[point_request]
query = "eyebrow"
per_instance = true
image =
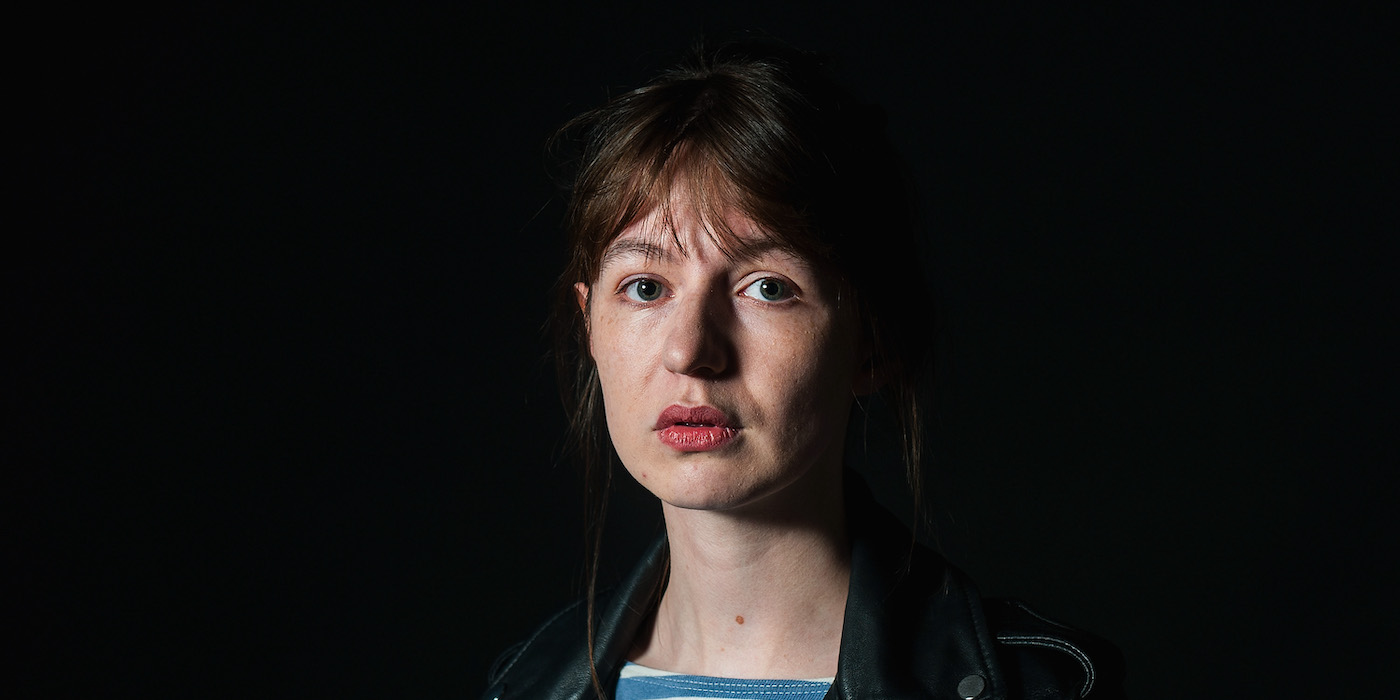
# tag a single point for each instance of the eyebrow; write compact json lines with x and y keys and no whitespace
{"x":628,"y":247}
{"x":625,"y":248}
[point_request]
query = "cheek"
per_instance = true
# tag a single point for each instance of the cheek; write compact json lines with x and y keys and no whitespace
{"x":621,"y":367}
{"x":813,"y":369}
{"x":615,"y":395}
{"x":605,"y":356}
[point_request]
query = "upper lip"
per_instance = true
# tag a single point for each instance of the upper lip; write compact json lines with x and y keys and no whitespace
{"x":693,"y":415}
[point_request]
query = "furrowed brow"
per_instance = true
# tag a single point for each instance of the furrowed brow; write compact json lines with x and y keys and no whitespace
{"x":753,"y":250}
{"x":747,"y":250}
{"x":629,"y":248}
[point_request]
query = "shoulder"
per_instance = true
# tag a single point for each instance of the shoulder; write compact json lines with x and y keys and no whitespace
{"x":554,"y":661}
{"x":551,"y":658}
{"x":923,"y":618}
{"x":1043,"y":658}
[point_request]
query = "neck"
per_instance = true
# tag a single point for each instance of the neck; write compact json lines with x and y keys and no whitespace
{"x":757,"y":592}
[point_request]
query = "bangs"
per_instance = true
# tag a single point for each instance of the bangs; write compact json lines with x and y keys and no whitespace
{"x":693,"y":148}
{"x":691,"y":185}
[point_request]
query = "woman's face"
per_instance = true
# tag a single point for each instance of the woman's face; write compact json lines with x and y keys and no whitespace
{"x":725,"y":379}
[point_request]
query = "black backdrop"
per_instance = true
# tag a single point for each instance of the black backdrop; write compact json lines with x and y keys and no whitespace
{"x":280,"y":423}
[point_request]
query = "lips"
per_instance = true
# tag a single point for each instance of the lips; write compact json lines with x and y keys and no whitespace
{"x":695,"y":428}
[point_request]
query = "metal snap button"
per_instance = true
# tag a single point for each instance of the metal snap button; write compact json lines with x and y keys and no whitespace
{"x":971,"y":687}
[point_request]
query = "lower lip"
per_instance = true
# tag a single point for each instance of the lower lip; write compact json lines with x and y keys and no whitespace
{"x":696,"y":438}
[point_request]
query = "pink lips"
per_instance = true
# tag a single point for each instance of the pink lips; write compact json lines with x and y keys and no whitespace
{"x":695,"y":428}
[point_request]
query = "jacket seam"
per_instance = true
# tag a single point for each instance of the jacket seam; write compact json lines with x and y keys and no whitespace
{"x":1027,"y":610}
{"x":1061,"y":645}
{"x":504,"y":659}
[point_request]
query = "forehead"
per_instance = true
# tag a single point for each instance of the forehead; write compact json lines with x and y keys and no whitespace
{"x":671,"y":234}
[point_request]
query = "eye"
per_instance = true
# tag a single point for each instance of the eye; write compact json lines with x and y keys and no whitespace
{"x":643,"y":290}
{"x":769,"y":289}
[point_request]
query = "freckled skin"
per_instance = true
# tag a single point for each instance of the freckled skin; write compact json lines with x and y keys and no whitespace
{"x":785,"y":372}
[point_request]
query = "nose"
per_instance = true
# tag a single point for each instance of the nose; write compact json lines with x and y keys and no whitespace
{"x":697,"y":342}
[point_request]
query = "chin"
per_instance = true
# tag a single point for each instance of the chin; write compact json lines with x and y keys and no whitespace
{"x":690,"y":496}
{"x":699,"y":490}
{"x":703,"y":501}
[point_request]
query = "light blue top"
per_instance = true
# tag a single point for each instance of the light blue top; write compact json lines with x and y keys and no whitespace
{"x":642,"y":683}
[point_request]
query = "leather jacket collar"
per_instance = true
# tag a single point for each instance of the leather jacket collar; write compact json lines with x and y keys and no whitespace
{"x":914,"y":628}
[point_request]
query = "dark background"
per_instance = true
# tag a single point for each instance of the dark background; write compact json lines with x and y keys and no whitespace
{"x":280,"y":422}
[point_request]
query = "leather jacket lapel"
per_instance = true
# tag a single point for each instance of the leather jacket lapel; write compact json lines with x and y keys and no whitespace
{"x":914,"y":626}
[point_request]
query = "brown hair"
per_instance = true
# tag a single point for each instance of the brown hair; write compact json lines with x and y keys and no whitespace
{"x":761,"y":130}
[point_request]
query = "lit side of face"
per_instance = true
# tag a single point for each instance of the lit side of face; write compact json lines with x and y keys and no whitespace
{"x":725,"y":380}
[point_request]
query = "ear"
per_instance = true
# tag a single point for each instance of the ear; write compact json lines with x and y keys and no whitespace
{"x":581,"y":296}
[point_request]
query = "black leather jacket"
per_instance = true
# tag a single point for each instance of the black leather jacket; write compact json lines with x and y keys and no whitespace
{"x":914,"y":628}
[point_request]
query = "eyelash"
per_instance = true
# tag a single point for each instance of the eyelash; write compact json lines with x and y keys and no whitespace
{"x":629,"y":287}
{"x":630,"y":290}
{"x":789,"y":290}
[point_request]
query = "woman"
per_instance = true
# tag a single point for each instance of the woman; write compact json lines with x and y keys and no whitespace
{"x":742,"y":278}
